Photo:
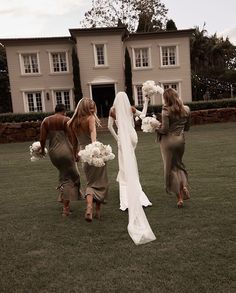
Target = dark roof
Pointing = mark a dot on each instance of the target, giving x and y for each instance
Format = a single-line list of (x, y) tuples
[(161, 34), (13, 41), (97, 30), (100, 30)]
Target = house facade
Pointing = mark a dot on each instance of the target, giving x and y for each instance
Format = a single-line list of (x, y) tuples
[(41, 69)]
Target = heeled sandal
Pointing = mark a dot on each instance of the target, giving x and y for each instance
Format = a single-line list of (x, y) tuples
[(89, 213), (186, 193), (180, 204), (66, 211)]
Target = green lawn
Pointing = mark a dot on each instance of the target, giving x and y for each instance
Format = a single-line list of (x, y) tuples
[(43, 252)]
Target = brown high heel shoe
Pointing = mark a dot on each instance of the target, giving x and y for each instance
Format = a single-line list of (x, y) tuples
[(66, 211), (186, 194), (89, 213), (180, 202)]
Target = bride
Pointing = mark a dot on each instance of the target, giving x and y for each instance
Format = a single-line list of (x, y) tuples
[(131, 193), (128, 121)]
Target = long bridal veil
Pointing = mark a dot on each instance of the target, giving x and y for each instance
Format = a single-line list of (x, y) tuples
[(138, 226)]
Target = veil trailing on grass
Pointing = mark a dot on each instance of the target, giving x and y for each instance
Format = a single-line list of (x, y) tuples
[(138, 226)]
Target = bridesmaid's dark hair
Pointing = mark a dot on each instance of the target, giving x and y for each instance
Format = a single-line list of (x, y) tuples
[(60, 108), (173, 103)]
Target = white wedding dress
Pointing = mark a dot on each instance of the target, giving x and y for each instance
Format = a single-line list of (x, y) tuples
[(131, 193), (121, 173)]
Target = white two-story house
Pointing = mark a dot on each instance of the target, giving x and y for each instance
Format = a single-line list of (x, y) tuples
[(41, 69)]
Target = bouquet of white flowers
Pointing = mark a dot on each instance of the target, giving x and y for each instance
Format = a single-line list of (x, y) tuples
[(149, 124), (34, 151), (149, 88), (96, 154)]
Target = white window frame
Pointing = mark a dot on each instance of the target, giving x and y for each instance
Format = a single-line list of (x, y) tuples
[(170, 82), (33, 91), (176, 56), (50, 52), (60, 89), (136, 96), (148, 47), (22, 66), (96, 65)]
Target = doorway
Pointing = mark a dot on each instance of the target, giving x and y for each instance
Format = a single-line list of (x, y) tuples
[(103, 96)]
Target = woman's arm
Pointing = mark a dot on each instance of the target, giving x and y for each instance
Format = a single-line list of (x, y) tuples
[(187, 125), (110, 124), (43, 135), (164, 122), (144, 110), (92, 128)]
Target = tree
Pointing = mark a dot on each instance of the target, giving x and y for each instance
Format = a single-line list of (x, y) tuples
[(128, 77), (151, 14), (213, 63), (5, 96), (211, 55), (76, 77), (170, 25)]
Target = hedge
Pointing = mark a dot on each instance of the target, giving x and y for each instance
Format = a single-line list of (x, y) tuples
[(194, 106)]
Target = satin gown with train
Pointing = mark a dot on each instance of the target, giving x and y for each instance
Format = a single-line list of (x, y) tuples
[(122, 180)]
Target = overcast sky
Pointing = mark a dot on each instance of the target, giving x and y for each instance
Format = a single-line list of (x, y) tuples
[(39, 18)]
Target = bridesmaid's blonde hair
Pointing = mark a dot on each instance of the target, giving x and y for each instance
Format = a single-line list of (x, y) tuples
[(83, 109), (173, 103)]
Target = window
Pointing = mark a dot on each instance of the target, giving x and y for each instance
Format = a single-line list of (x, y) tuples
[(169, 56), (100, 55), (59, 62), (141, 57), (29, 63), (139, 95), (174, 86), (63, 97), (34, 101)]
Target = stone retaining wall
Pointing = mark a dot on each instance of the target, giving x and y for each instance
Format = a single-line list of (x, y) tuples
[(29, 131)]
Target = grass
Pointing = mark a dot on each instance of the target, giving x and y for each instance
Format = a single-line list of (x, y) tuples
[(44, 252)]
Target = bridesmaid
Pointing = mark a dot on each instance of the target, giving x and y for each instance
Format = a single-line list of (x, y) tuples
[(175, 121), (55, 129), (83, 125)]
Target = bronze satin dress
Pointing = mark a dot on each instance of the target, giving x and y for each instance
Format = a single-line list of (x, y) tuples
[(96, 177), (61, 155), (172, 144)]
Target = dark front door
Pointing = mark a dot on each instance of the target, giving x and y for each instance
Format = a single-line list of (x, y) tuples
[(103, 96)]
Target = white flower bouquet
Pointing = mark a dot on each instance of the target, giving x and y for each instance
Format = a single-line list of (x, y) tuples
[(35, 151), (149, 124), (149, 88), (96, 154)]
